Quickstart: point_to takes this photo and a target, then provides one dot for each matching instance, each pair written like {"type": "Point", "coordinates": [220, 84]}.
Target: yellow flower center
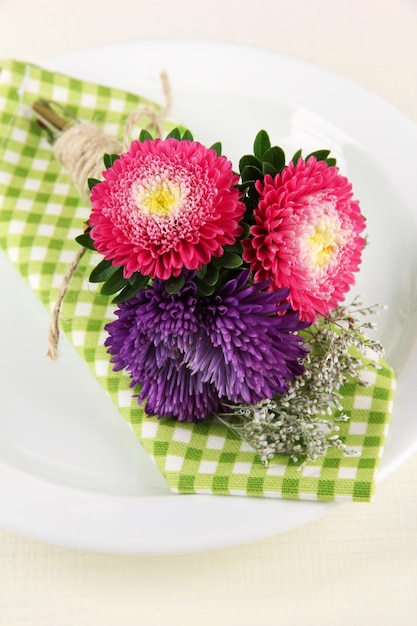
{"type": "Point", "coordinates": [322, 244]}
{"type": "Point", "coordinates": [158, 197]}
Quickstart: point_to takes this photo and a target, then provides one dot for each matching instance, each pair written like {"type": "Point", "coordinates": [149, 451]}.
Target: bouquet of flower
{"type": "Point", "coordinates": [218, 289]}
{"type": "Point", "coordinates": [229, 286]}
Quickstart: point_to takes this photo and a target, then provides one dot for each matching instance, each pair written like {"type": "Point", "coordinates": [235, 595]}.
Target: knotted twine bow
{"type": "Point", "coordinates": [79, 148]}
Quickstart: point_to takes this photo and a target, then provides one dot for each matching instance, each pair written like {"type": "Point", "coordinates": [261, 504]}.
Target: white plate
{"type": "Point", "coordinates": [72, 473]}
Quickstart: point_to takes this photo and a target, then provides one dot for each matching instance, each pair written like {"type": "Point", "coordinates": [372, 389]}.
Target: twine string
{"type": "Point", "coordinates": [80, 150]}
{"type": "Point", "coordinates": [156, 118]}
{"type": "Point", "coordinates": [53, 330]}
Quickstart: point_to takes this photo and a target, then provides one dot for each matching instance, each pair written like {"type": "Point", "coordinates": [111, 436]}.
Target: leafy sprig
{"type": "Point", "coordinates": [268, 159]}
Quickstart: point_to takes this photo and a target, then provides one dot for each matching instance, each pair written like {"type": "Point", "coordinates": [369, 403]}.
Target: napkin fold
{"type": "Point", "coordinates": [41, 214]}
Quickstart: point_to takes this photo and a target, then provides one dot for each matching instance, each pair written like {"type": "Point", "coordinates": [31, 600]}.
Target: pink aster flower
{"type": "Point", "coordinates": [306, 236]}
{"type": "Point", "coordinates": [165, 205]}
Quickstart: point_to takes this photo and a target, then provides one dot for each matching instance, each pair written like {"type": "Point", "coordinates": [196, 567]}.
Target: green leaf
{"type": "Point", "coordinates": [136, 283]}
{"type": "Point", "coordinates": [212, 275]}
{"type": "Point", "coordinates": [296, 156]}
{"type": "Point", "coordinates": [85, 241]}
{"type": "Point", "coordinates": [205, 290]}
{"type": "Point", "coordinates": [187, 135]}
{"type": "Point", "coordinates": [114, 283]}
{"type": "Point", "coordinates": [201, 273]}
{"type": "Point", "coordinates": [236, 247]}
{"type": "Point", "coordinates": [102, 271]}
{"type": "Point", "coordinates": [249, 159]}
{"type": "Point", "coordinates": [92, 182]}
{"type": "Point", "coordinates": [174, 134]}
{"type": "Point", "coordinates": [246, 230]}
{"type": "Point", "coordinates": [174, 283]}
{"type": "Point", "coordinates": [276, 157]}
{"type": "Point", "coordinates": [268, 168]}
{"type": "Point", "coordinates": [217, 147]}
{"type": "Point", "coordinates": [331, 162]}
{"type": "Point", "coordinates": [251, 173]}
{"type": "Point", "coordinates": [109, 159]}
{"type": "Point", "coordinates": [145, 135]}
{"type": "Point", "coordinates": [229, 260]}
{"type": "Point", "coordinates": [321, 155]}
{"type": "Point", "coordinates": [261, 144]}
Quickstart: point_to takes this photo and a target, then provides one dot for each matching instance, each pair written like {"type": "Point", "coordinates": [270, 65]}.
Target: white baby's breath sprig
{"type": "Point", "coordinates": [303, 422]}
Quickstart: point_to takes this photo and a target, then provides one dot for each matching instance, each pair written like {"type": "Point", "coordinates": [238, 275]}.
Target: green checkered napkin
{"type": "Point", "coordinates": [40, 214]}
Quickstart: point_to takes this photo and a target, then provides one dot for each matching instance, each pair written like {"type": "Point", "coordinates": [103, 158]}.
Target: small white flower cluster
{"type": "Point", "coordinates": [295, 423]}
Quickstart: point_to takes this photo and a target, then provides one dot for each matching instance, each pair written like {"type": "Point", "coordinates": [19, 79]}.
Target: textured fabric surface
{"type": "Point", "coordinates": [40, 214]}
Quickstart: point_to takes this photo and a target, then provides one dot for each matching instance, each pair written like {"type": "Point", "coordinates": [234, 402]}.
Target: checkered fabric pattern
{"type": "Point", "coordinates": [40, 214]}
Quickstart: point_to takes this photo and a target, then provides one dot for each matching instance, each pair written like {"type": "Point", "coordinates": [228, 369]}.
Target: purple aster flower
{"type": "Point", "coordinates": [247, 346]}
{"type": "Point", "coordinates": [189, 354]}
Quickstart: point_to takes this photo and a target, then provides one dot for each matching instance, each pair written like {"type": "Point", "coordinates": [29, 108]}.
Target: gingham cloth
{"type": "Point", "coordinates": [40, 214]}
